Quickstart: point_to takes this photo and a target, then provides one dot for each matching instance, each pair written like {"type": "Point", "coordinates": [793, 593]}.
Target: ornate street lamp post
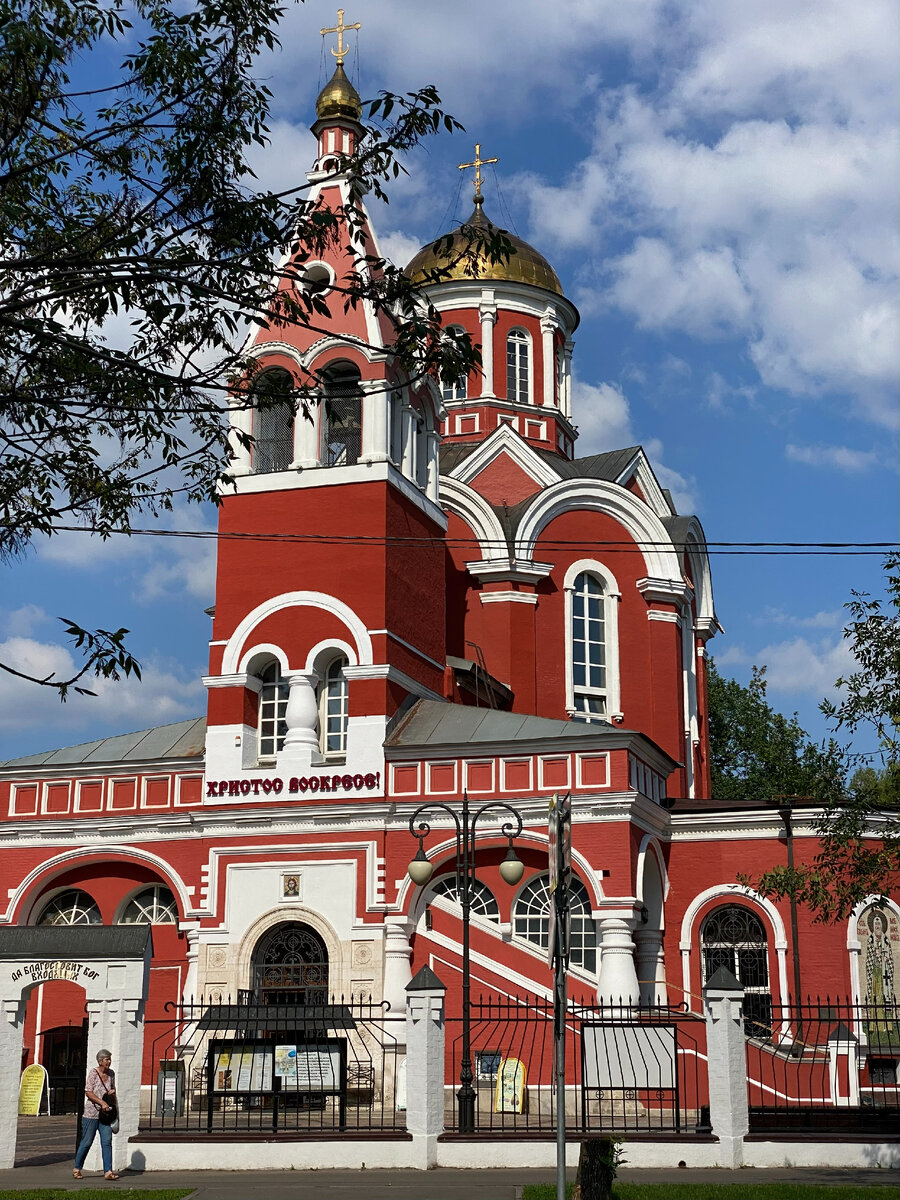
{"type": "Point", "coordinates": [420, 871]}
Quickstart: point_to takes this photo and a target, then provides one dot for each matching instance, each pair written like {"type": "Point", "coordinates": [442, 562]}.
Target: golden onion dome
{"type": "Point", "coordinates": [455, 260]}
{"type": "Point", "coordinates": [339, 98]}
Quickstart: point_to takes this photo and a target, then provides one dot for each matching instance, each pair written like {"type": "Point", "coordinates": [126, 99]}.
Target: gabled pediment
{"type": "Point", "coordinates": [504, 448]}
{"type": "Point", "coordinates": [638, 477]}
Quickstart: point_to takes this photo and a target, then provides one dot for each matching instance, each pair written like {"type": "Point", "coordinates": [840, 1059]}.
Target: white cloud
{"type": "Point", "coordinates": [22, 622]}
{"type": "Point", "coordinates": [798, 666]}
{"type": "Point", "coordinates": [682, 487]}
{"type": "Point", "coordinates": [820, 620]}
{"type": "Point", "coordinates": [841, 458]}
{"type": "Point", "coordinates": [166, 693]}
{"type": "Point", "coordinates": [604, 418]}
{"type": "Point", "coordinates": [398, 247]}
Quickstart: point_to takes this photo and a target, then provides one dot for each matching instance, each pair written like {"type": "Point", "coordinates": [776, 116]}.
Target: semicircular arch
{"type": "Point", "coordinates": [233, 653]}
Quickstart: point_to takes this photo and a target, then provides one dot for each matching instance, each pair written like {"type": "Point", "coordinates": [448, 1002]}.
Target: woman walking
{"type": "Point", "coordinates": [100, 1111]}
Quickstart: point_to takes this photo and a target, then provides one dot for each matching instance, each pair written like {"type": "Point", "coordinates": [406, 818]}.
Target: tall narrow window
{"type": "Point", "coordinates": [733, 937]}
{"type": "Point", "coordinates": [334, 709]}
{"type": "Point", "coordinates": [273, 700]}
{"type": "Point", "coordinates": [517, 382]}
{"type": "Point", "coordinates": [273, 423]}
{"type": "Point", "coordinates": [589, 647]}
{"type": "Point", "coordinates": [456, 390]}
{"type": "Point", "coordinates": [341, 417]}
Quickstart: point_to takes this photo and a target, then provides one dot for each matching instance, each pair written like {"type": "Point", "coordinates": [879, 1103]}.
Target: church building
{"type": "Point", "coordinates": [424, 591]}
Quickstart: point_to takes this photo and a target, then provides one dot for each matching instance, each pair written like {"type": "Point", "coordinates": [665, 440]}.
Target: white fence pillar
{"type": "Point", "coordinates": [12, 1021]}
{"type": "Point", "coordinates": [425, 1065]}
{"type": "Point", "coordinates": [843, 1067]}
{"type": "Point", "coordinates": [727, 1067]}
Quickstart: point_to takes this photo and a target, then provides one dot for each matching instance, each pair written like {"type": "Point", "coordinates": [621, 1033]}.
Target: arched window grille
{"type": "Point", "coordinates": [589, 666]}
{"type": "Point", "coordinates": [341, 423]}
{"type": "Point", "coordinates": [456, 390]}
{"type": "Point", "coordinates": [517, 381]}
{"type": "Point", "coordinates": [734, 937]}
{"type": "Point", "coordinates": [531, 917]}
{"type": "Point", "coordinates": [153, 906]}
{"type": "Point", "coordinates": [290, 966]}
{"type": "Point", "coordinates": [73, 907]}
{"type": "Point", "coordinates": [483, 902]}
{"type": "Point", "coordinates": [334, 709]}
{"type": "Point", "coordinates": [273, 423]}
{"type": "Point", "coordinates": [273, 699]}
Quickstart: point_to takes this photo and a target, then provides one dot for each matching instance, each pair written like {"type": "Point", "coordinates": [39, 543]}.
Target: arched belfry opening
{"type": "Point", "coordinates": [290, 966]}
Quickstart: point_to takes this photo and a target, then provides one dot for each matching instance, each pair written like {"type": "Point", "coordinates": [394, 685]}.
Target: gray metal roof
{"type": "Point", "coordinates": [183, 739]}
{"type": "Point", "coordinates": [435, 723]}
{"type": "Point", "coordinates": [73, 942]}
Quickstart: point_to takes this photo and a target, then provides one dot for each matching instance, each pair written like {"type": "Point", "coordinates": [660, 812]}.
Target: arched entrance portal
{"type": "Point", "coordinates": [290, 966]}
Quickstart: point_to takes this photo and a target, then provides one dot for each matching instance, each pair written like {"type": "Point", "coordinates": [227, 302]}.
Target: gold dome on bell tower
{"type": "Point", "coordinates": [339, 98]}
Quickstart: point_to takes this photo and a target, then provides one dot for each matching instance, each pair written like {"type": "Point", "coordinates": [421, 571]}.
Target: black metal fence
{"type": "Point", "coordinates": [826, 1065]}
{"type": "Point", "coordinates": [252, 1068]}
{"type": "Point", "coordinates": [629, 1070]}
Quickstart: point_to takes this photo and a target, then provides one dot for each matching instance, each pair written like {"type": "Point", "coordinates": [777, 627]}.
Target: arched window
{"type": "Point", "coordinates": [341, 423]}
{"type": "Point", "coordinates": [290, 966]}
{"type": "Point", "coordinates": [334, 709]}
{"type": "Point", "coordinates": [734, 937]}
{"type": "Point", "coordinates": [273, 698]}
{"type": "Point", "coordinates": [531, 916]}
{"type": "Point", "coordinates": [456, 390]}
{"type": "Point", "coordinates": [73, 907]}
{"type": "Point", "coordinates": [560, 376]}
{"type": "Point", "coordinates": [273, 423]}
{"type": "Point", "coordinates": [592, 668]}
{"type": "Point", "coordinates": [483, 902]}
{"type": "Point", "coordinates": [153, 906]}
{"type": "Point", "coordinates": [518, 345]}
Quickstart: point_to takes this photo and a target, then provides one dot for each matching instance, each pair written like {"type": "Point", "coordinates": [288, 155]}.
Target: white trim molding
{"type": "Point", "coordinates": [275, 604]}
{"type": "Point", "coordinates": [508, 597]}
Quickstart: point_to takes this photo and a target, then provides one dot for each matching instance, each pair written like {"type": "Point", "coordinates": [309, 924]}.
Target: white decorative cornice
{"type": "Point", "coordinates": [515, 570]}
{"type": "Point", "coordinates": [657, 590]}
{"type": "Point", "coordinates": [654, 614]}
{"type": "Point", "coordinates": [236, 679]}
{"type": "Point", "coordinates": [508, 598]}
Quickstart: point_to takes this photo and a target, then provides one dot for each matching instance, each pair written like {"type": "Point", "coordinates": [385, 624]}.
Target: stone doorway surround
{"type": "Point", "coordinates": [112, 964]}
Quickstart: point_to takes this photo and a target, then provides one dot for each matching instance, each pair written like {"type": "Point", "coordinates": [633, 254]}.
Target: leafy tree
{"type": "Point", "coordinates": [135, 253]}
{"type": "Point", "coordinates": [757, 753]}
{"type": "Point", "coordinates": [859, 831]}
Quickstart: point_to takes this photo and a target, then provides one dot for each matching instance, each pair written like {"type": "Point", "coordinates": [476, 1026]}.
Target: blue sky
{"type": "Point", "coordinates": [715, 184]}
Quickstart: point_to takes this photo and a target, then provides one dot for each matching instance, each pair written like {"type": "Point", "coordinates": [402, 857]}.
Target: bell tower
{"type": "Point", "coordinates": [330, 580]}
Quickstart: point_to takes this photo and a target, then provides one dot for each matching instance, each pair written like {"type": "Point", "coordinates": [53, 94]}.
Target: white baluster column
{"type": "Point", "coordinates": [618, 981]}
{"type": "Point", "coordinates": [397, 956]}
{"type": "Point", "coordinates": [651, 967]}
{"type": "Point", "coordinates": [302, 713]}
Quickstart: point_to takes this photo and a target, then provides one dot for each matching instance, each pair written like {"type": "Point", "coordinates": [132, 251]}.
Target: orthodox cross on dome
{"type": "Point", "coordinates": [342, 51]}
{"type": "Point", "coordinates": [478, 163]}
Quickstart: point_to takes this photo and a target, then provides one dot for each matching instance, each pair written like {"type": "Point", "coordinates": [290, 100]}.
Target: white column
{"type": "Point", "coordinates": [725, 1048]}
{"type": "Point", "coordinates": [374, 421]}
{"type": "Point", "coordinates": [843, 1067]}
{"type": "Point", "coordinates": [567, 389]}
{"type": "Point", "coordinates": [302, 712]}
{"type": "Point", "coordinates": [241, 420]}
{"type": "Point", "coordinates": [397, 955]}
{"type": "Point", "coordinates": [118, 1026]}
{"type": "Point", "coordinates": [548, 325]}
{"type": "Point", "coordinates": [410, 430]}
{"type": "Point", "coordinates": [488, 314]}
{"type": "Point", "coordinates": [618, 981]}
{"type": "Point", "coordinates": [434, 465]}
{"type": "Point", "coordinates": [306, 435]}
{"type": "Point", "coordinates": [425, 1066]}
{"type": "Point", "coordinates": [12, 1021]}
{"type": "Point", "coordinates": [190, 987]}
{"type": "Point", "coordinates": [650, 965]}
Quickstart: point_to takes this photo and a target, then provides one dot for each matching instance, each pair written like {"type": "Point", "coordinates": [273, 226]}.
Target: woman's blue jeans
{"type": "Point", "coordinates": [89, 1127]}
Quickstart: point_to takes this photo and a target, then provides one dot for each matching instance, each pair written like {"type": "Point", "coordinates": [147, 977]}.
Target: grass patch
{"type": "Point", "coordinates": [726, 1191]}
{"type": "Point", "coordinates": [94, 1193]}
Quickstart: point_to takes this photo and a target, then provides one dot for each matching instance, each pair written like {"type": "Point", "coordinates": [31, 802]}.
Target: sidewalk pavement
{"type": "Point", "coordinates": [443, 1184]}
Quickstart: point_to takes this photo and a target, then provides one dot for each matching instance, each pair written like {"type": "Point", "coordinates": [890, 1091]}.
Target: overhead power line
{"type": "Point", "coordinates": [836, 549]}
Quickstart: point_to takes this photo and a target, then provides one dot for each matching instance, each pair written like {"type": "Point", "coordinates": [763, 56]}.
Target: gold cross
{"type": "Point", "coordinates": [342, 51]}
{"type": "Point", "coordinates": [477, 164]}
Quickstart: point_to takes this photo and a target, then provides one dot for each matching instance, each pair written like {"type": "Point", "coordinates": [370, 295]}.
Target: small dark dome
{"type": "Point", "coordinates": [525, 264]}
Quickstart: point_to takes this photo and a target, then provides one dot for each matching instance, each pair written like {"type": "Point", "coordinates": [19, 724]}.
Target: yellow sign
{"type": "Point", "coordinates": [509, 1090]}
{"type": "Point", "coordinates": [31, 1090]}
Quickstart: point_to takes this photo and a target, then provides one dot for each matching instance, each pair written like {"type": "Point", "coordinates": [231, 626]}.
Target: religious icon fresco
{"type": "Point", "coordinates": [878, 930]}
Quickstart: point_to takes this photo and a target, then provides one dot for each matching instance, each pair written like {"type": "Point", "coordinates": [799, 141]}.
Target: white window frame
{"type": "Point", "coordinates": [326, 694]}
{"type": "Point", "coordinates": [611, 598]}
{"type": "Point", "coordinates": [524, 339]}
{"type": "Point", "coordinates": [459, 389]}
{"type": "Point", "coordinates": [263, 714]}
